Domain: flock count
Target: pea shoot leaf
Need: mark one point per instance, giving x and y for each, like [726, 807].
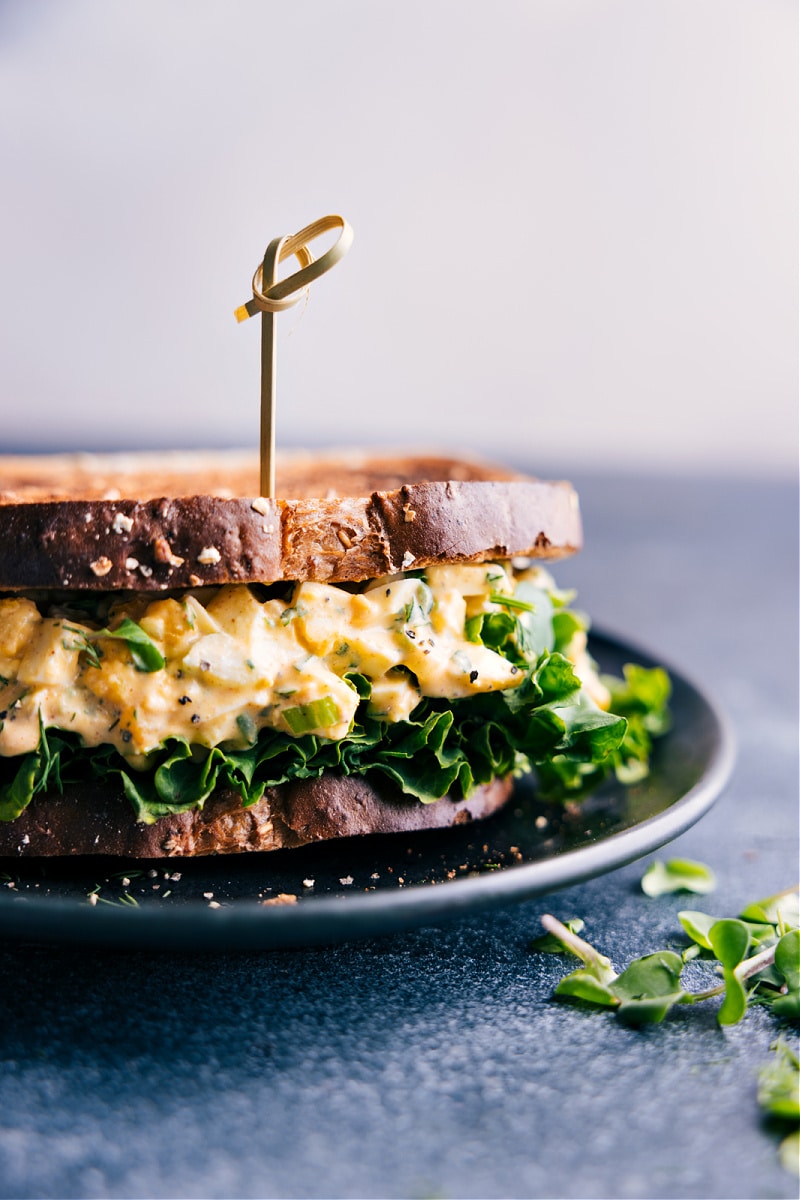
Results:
[654, 975]
[698, 925]
[595, 963]
[648, 1010]
[787, 1005]
[549, 943]
[787, 965]
[729, 940]
[678, 875]
[787, 958]
[734, 1004]
[779, 1082]
[789, 1153]
[649, 987]
[584, 985]
[783, 907]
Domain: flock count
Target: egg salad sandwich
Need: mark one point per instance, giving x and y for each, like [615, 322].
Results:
[189, 668]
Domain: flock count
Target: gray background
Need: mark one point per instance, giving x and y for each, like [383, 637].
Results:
[575, 221]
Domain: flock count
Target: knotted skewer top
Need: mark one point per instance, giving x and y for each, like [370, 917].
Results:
[271, 297]
[277, 297]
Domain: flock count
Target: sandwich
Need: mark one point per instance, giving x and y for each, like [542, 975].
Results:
[189, 668]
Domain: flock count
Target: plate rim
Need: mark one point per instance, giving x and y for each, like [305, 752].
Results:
[341, 918]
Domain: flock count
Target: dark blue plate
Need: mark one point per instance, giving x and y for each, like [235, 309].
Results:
[376, 885]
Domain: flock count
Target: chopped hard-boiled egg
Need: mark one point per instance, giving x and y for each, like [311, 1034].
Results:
[216, 667]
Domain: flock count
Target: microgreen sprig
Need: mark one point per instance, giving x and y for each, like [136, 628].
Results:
[759, 963]
[758, 955]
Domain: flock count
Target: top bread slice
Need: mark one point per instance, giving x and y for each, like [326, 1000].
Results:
[152, 522]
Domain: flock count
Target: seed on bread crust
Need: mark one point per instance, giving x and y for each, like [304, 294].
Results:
[121, 523]
[162, 552]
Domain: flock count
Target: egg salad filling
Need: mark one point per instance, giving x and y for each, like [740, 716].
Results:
[440, 679]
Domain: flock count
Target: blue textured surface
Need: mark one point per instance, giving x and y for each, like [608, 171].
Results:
[434, 1063]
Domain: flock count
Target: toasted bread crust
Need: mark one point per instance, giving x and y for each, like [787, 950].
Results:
[301, 474]
[96, 820]
[324, 528]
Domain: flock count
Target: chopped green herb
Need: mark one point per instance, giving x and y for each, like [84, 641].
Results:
[318, 714]
[511, 602]
[83, 644]
[247, 728]
[124, 901]
[417, 610]
[472, 628]
[143, 650]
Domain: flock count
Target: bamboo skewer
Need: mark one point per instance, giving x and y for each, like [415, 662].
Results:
[268, 377]
[271, 297]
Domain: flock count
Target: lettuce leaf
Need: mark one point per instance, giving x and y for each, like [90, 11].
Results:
[642, 697]
[547, 724]
[28, 774]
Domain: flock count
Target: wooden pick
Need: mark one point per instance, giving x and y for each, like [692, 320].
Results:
[271, 297]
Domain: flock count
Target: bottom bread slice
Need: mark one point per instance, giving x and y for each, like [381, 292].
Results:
[94, 820]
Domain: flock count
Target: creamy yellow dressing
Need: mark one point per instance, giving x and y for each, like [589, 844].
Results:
[234, 664]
